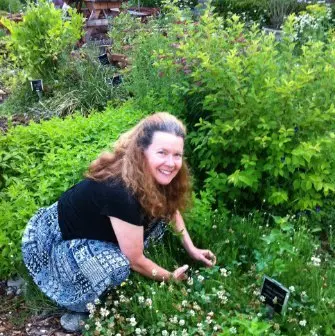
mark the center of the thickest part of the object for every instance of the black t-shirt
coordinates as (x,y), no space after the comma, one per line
(83,210)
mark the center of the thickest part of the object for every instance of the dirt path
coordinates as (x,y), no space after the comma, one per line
(17,319)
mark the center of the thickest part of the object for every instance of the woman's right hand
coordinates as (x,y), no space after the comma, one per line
(179,273)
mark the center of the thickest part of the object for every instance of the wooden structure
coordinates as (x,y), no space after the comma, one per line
(99,10)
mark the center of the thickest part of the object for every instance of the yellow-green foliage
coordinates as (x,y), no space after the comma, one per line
(37,41)
(39,162)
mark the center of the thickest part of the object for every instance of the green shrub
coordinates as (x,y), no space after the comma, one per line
(143,80)
(315,23)
(262,116)
(40,161)
(36,43)
(12,6)
(249,9)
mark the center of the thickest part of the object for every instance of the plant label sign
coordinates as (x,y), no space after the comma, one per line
(116,80)
(36,85)
(104,59)
(275,294)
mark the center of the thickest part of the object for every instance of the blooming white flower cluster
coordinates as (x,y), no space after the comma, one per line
(303,323)
(222,296)
(200,278)
(132,321)
(233,330)
(139,331)
(224,272)
(190,281)
(316,261)
(104,312)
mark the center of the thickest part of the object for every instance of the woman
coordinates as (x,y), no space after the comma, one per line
(89,240)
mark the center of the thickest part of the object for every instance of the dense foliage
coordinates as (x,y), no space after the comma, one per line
(261,131)
(260,111)
(12,6)
(36,43)
(226,300)
(39,162)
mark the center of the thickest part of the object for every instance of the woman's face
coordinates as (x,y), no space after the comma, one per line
(165,156)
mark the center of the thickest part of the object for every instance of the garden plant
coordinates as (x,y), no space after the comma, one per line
(260,118)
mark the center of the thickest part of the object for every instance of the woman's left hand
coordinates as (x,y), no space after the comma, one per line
(205,256)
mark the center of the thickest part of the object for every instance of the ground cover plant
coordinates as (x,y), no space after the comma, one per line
(39,162)
(226,300)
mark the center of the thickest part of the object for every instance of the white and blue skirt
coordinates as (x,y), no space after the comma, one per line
(74,272)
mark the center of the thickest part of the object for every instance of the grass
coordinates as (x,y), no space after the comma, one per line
(226,299)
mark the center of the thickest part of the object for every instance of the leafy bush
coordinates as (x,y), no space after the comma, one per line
(315,23)
(40,161)
(143,80)
(36,43)
(250,9)
(12,6)
(262,116)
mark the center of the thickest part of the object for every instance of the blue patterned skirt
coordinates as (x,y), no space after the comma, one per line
(74,272)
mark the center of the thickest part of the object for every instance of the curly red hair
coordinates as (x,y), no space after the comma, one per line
(127,162)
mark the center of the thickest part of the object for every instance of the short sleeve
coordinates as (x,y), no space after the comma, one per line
(120,203)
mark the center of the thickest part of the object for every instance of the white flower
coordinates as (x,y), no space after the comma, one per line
(184,303)
(90,307)
(132,321)
(138,331)
(200,278)
(192,312)
(316,261)
(123,298)
(303,323)
(292,289)
(87,326)
(184,332)
(165,333)
(182,322)
(233,330)
(96,301)
(221,295)
(140,299)
(224,272)
(148,302)
(262,298)
(173,333)
(208,320)
(190,281)
(104,312)
(98,326)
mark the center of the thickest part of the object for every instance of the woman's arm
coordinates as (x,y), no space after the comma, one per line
(205,256)
(130,239)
